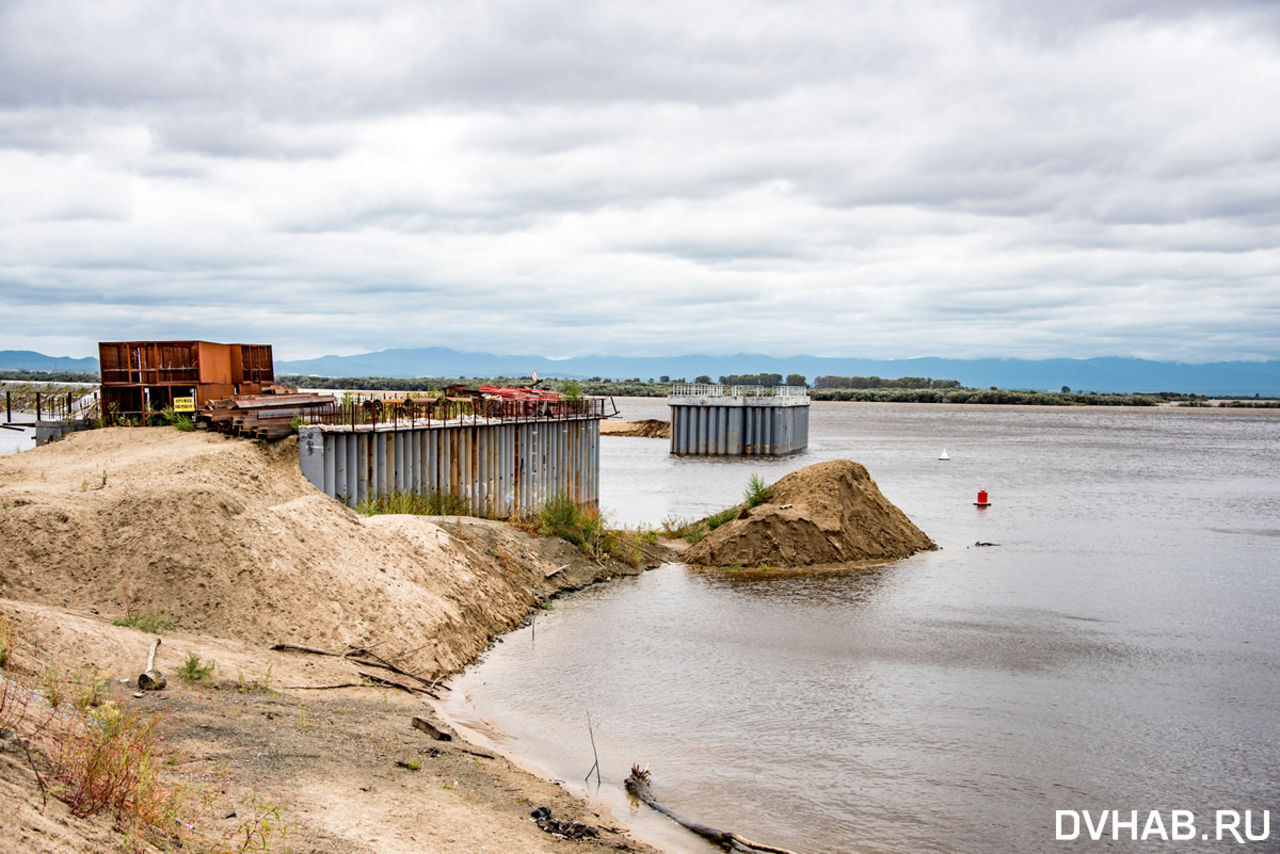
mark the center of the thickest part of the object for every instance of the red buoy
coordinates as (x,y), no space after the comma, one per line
(982,499)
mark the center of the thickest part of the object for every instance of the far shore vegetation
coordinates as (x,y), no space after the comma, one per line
(857,389)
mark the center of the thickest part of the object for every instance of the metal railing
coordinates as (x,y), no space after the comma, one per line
(411,412)
(716,390)
(61,406)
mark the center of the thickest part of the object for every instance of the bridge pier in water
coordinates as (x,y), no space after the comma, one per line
(716,420)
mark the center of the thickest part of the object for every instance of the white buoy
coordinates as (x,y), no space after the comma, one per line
(943,455)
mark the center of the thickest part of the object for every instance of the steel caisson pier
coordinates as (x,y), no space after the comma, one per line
(723,420)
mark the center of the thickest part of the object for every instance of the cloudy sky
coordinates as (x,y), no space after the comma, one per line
(968,178)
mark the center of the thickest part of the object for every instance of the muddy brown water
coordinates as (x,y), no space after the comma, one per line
(1118,649)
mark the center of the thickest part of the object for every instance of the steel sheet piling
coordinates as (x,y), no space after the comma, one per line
(738,420)
(505,469)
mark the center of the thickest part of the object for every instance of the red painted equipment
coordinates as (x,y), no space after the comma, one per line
(982,499)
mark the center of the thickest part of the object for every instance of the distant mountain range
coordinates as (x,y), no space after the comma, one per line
(1111,374)
(30,360)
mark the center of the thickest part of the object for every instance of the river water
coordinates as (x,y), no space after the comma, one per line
(1119,648)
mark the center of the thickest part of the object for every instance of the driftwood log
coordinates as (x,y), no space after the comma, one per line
(430,729)
(152,679)
(638,784)
(435,732)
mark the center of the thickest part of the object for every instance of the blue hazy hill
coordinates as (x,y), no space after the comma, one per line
(1110,374)
(30,360)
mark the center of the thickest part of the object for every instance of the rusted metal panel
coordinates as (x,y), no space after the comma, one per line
(214,365)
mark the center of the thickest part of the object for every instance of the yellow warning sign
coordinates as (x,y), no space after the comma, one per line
(184,404)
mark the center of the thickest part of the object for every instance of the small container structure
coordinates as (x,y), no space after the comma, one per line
(139,377)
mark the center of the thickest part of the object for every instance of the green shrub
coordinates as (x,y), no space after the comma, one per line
(561,517)
(586,529)
(757,491)
(193,671)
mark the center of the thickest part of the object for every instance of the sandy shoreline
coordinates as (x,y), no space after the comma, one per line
(228,539)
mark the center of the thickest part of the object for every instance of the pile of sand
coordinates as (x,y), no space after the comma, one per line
(827,513)
(648,428)
(229,539)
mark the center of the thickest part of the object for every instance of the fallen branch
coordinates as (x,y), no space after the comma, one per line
(361,655)
(368,658)
(479,753)
(637,783)
(293,647)
(44,793)
(391,683)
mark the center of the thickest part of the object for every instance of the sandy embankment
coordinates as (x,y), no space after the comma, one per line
(826,513)
(648,428)
(227,538)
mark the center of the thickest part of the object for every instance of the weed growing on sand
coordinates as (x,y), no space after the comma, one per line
(262,684)
(107,760)
(51,679)
(413,503)
(193,671)
(717,519)
(757,491)
(152,622)
(585,528)
(681,528)
(93,692)
(257,832)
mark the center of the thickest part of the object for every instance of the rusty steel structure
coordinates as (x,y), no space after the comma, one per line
(503,456)
(142,377)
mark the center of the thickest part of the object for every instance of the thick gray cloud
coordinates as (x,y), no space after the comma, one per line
(885,180)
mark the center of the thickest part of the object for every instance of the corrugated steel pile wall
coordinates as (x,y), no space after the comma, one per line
(500,470)
(737,427)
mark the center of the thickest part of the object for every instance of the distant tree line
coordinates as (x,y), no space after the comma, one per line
(878,382)
(989,395)
(767,380)
(903,390)
(50,376)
